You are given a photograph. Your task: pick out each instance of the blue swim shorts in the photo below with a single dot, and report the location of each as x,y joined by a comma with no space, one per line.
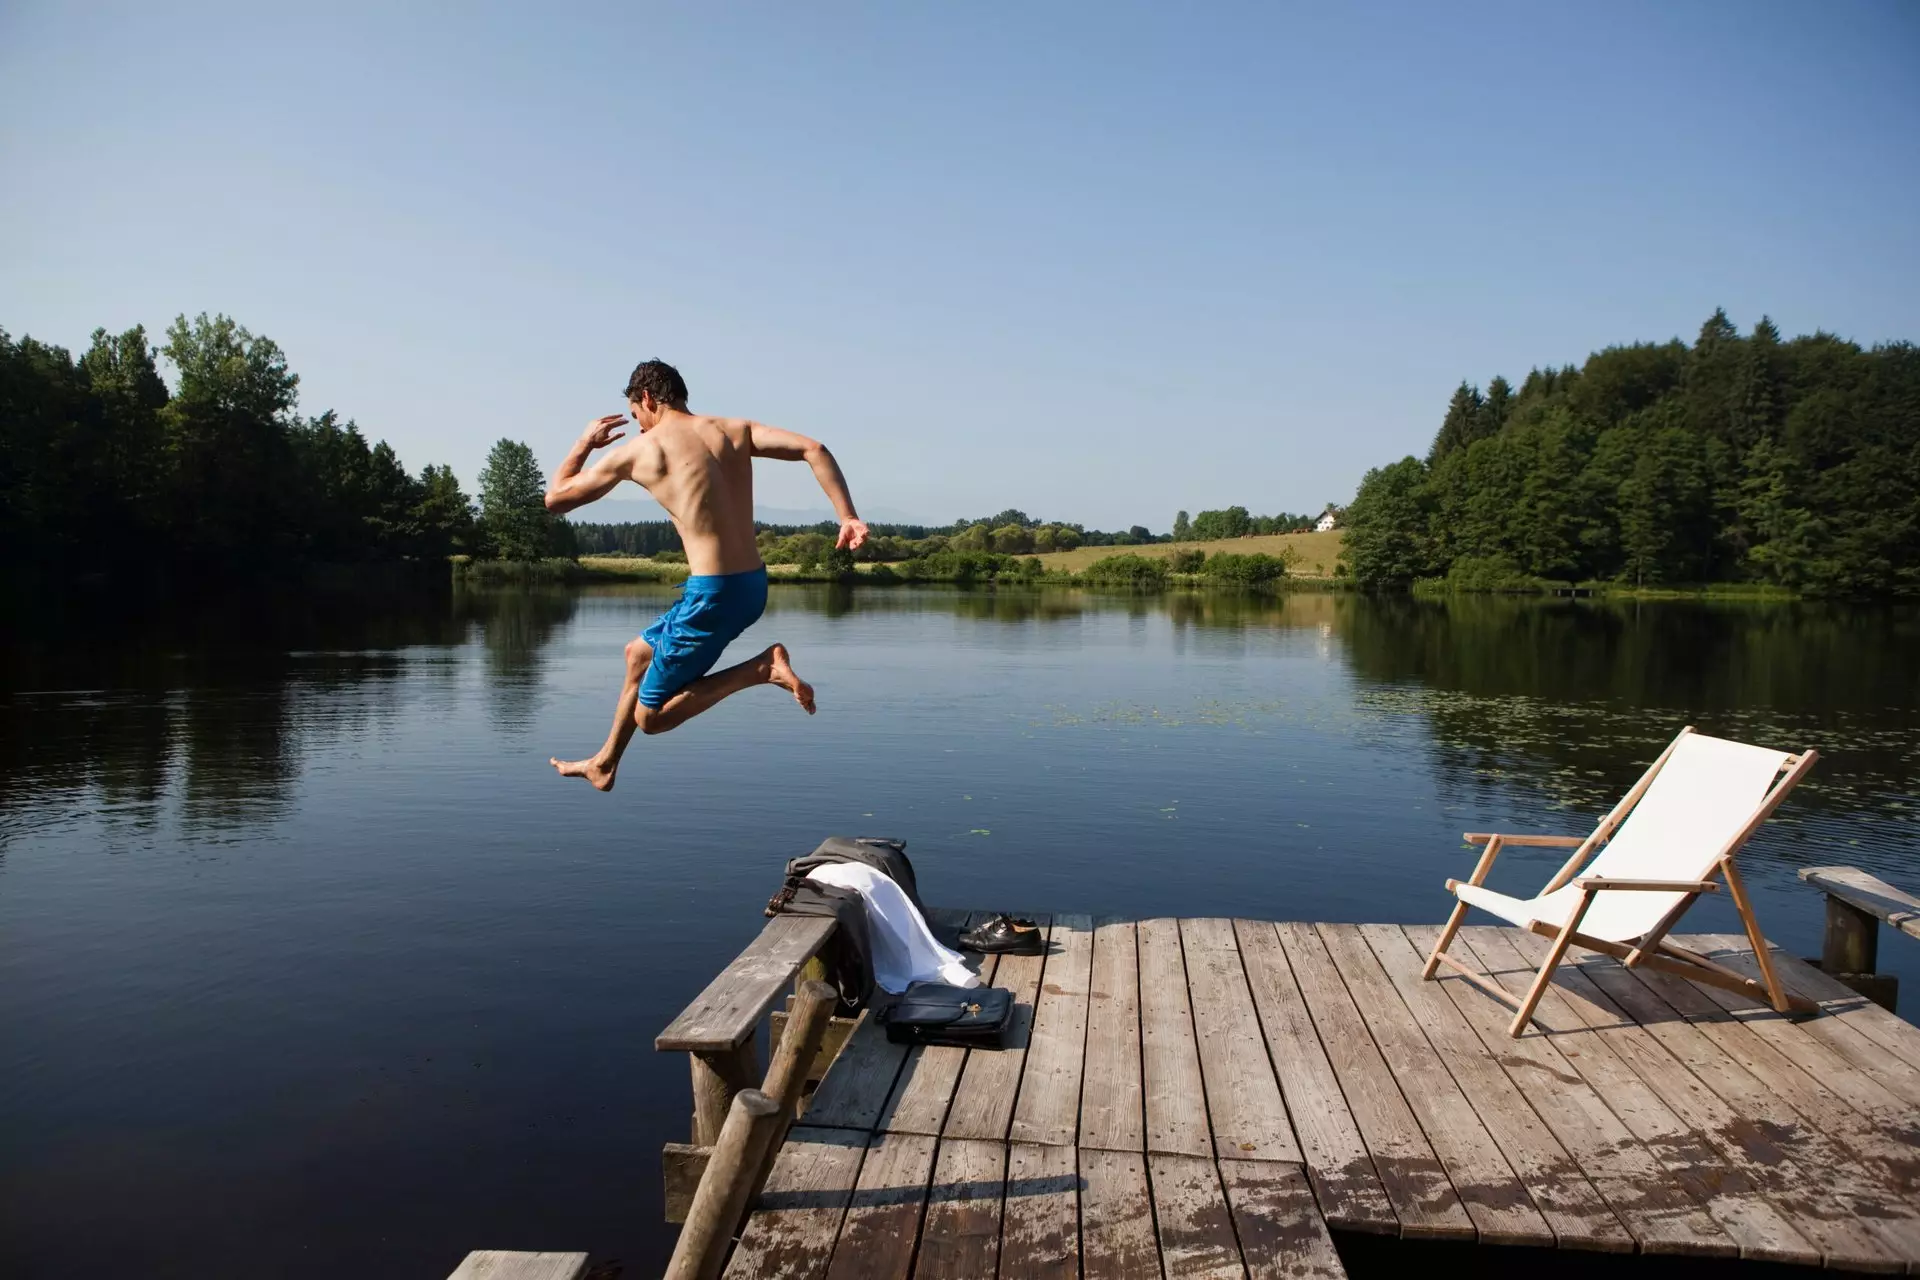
689,638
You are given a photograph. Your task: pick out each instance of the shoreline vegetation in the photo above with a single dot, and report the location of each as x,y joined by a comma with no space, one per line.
1750,463
1745,466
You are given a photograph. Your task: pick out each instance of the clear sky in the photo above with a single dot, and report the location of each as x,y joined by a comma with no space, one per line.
1096,261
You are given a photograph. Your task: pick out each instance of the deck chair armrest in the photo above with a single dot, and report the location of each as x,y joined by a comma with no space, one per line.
1537,842
1598,883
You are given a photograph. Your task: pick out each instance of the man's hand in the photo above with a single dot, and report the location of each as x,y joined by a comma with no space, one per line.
852,534
602,432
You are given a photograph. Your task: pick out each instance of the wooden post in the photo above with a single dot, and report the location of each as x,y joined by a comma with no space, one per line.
1852,942
717,1077
737,1157
813,1008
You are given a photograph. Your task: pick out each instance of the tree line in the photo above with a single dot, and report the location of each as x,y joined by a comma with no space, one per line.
1734,459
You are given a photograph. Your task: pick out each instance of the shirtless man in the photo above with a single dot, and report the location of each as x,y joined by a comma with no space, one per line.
701,470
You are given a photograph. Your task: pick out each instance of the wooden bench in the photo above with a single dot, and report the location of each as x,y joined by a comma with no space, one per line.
717,1032
1857,904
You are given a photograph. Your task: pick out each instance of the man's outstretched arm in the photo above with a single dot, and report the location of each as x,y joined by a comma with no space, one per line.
790,446
573,487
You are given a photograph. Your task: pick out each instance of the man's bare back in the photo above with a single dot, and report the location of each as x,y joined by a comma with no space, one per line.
701,470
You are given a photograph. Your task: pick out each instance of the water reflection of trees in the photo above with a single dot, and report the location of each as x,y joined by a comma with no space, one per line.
203,713
1570,699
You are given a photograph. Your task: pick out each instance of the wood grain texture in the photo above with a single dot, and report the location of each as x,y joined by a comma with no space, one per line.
1578,1214
989,1085
859,1089
1117,1239
1498,1202
960,1239
1040,1227
791,1232
1244,1108
506,1264
1667,1109
1176,1102
1282,1235
1048,1110
1112,1105
1338,1164
1662,1216
1197,1241
882,1225
728,1011
1868,893
1805,1174
1411,1174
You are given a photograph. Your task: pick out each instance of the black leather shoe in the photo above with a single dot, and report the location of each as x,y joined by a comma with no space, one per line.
1006,936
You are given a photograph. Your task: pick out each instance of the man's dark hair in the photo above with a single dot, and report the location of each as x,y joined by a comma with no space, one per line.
660,380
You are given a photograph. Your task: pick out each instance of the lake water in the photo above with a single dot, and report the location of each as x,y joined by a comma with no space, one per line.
309,965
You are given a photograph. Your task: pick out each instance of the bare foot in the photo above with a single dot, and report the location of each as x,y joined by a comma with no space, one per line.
601,776
784,677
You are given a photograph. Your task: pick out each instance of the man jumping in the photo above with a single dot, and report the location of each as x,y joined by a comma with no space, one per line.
701,470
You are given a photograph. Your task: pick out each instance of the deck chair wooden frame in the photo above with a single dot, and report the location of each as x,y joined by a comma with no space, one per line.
1652,950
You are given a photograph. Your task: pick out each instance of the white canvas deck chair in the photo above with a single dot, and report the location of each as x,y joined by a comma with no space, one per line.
1659,849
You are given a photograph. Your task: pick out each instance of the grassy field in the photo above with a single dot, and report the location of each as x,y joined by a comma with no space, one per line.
1317,551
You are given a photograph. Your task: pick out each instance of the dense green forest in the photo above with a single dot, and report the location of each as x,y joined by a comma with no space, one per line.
1011,532
1737,459
106,471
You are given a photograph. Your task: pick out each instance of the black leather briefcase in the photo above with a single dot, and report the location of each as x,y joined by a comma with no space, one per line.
935,1013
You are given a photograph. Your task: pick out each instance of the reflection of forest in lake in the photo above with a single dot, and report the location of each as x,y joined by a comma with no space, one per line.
207,715
1572,698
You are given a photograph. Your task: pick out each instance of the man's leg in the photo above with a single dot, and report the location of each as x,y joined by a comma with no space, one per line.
599,769
770,667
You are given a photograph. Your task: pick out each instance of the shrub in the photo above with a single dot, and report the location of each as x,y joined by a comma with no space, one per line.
1228,568
670,557
1127,571
1186,561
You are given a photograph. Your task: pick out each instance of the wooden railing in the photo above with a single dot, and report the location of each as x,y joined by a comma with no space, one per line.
1857,905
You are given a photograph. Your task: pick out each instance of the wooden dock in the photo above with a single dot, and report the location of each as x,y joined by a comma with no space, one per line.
1207,1097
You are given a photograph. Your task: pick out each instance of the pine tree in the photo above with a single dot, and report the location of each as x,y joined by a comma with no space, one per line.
513,509
1494,410
1456,429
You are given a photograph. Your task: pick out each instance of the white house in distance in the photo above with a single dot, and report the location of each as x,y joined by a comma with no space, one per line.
1329,520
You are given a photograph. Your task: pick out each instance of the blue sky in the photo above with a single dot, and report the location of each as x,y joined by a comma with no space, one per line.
1096,261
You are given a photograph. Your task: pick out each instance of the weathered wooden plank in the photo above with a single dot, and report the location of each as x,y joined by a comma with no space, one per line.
1112,1108
1688,1129
1336,1157
1797,1040
1116,1216
1579,1216
1048,1110
1411,1174
1813,1181
1170,1059
1885,1046
506,1264
1868,893
868,1075
1662,1216
989,1085
726,1013
1498,1202
1282,1236
960,1239
883,1217
1867,1165
1040,1231
1244,1110
923,1093
1196,1227
791,1232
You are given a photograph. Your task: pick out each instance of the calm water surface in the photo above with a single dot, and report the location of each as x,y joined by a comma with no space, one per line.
310,965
